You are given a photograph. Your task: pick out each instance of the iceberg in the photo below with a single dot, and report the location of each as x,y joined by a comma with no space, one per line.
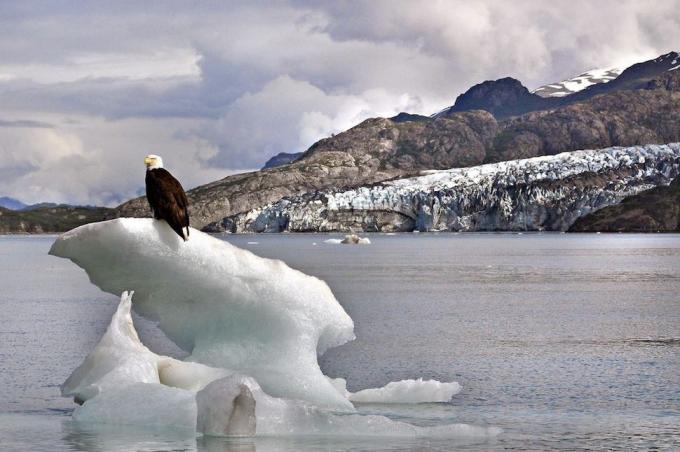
124,383
226,306
253,327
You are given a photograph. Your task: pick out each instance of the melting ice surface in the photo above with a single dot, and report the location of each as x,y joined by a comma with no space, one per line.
254,328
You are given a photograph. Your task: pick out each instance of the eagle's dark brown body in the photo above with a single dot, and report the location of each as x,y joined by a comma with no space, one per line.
168,200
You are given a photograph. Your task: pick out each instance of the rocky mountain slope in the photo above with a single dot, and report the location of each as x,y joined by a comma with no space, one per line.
48,219
381,149
634,77
654,210
507,97
373,151
543,193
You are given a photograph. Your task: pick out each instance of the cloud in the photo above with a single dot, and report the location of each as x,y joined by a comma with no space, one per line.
25,123
220,88
95,161
289,115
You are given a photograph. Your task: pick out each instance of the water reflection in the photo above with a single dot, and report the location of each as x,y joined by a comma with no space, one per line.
105,438
109,438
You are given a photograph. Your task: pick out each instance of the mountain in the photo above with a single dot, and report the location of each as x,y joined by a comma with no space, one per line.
502,98
11,203
381,149
282,158
654,210
15,204
507,97
541,193
42,205
378,149
619,118
635,77
41,220
578,83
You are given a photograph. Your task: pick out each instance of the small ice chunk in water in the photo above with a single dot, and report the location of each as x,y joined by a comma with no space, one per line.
408,391
353,239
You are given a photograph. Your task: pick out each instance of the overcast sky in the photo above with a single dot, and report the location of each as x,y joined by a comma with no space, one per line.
88,88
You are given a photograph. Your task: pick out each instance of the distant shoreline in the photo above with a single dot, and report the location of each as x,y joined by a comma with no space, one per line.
254,234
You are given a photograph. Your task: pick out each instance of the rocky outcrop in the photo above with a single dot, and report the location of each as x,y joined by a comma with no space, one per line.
502,98
405,117
654,210
545,193
43,220
282,158
380,149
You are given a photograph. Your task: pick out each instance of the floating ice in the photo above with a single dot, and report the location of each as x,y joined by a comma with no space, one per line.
192,396
408,391
123,382
118,360
235,312
350,239
404,391
145,404
353,239
228,307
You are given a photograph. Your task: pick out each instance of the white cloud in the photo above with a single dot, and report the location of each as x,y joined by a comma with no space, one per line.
181,64
96,161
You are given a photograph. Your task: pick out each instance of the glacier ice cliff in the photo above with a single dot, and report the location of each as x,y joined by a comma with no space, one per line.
541,193
254,328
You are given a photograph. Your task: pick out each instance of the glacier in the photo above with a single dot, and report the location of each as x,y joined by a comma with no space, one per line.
253,327
535,194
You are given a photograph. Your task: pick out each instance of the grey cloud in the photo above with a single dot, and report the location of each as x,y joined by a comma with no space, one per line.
25,123
274,77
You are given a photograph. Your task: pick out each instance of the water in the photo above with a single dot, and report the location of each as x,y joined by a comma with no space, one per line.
563,341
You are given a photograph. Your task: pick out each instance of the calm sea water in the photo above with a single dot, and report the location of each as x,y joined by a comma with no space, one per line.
563,341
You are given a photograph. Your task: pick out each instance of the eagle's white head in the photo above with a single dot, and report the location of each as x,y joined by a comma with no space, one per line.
153,161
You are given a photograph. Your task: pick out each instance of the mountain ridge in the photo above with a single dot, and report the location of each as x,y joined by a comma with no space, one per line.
380,149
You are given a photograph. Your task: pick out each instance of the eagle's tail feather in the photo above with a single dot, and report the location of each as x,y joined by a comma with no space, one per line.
178,229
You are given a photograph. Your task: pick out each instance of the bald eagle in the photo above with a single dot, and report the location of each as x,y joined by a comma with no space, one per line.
166,196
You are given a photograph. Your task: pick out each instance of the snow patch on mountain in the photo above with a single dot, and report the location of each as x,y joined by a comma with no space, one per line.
578,83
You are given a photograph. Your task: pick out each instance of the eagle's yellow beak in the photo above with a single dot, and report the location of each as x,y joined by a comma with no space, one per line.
148,161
